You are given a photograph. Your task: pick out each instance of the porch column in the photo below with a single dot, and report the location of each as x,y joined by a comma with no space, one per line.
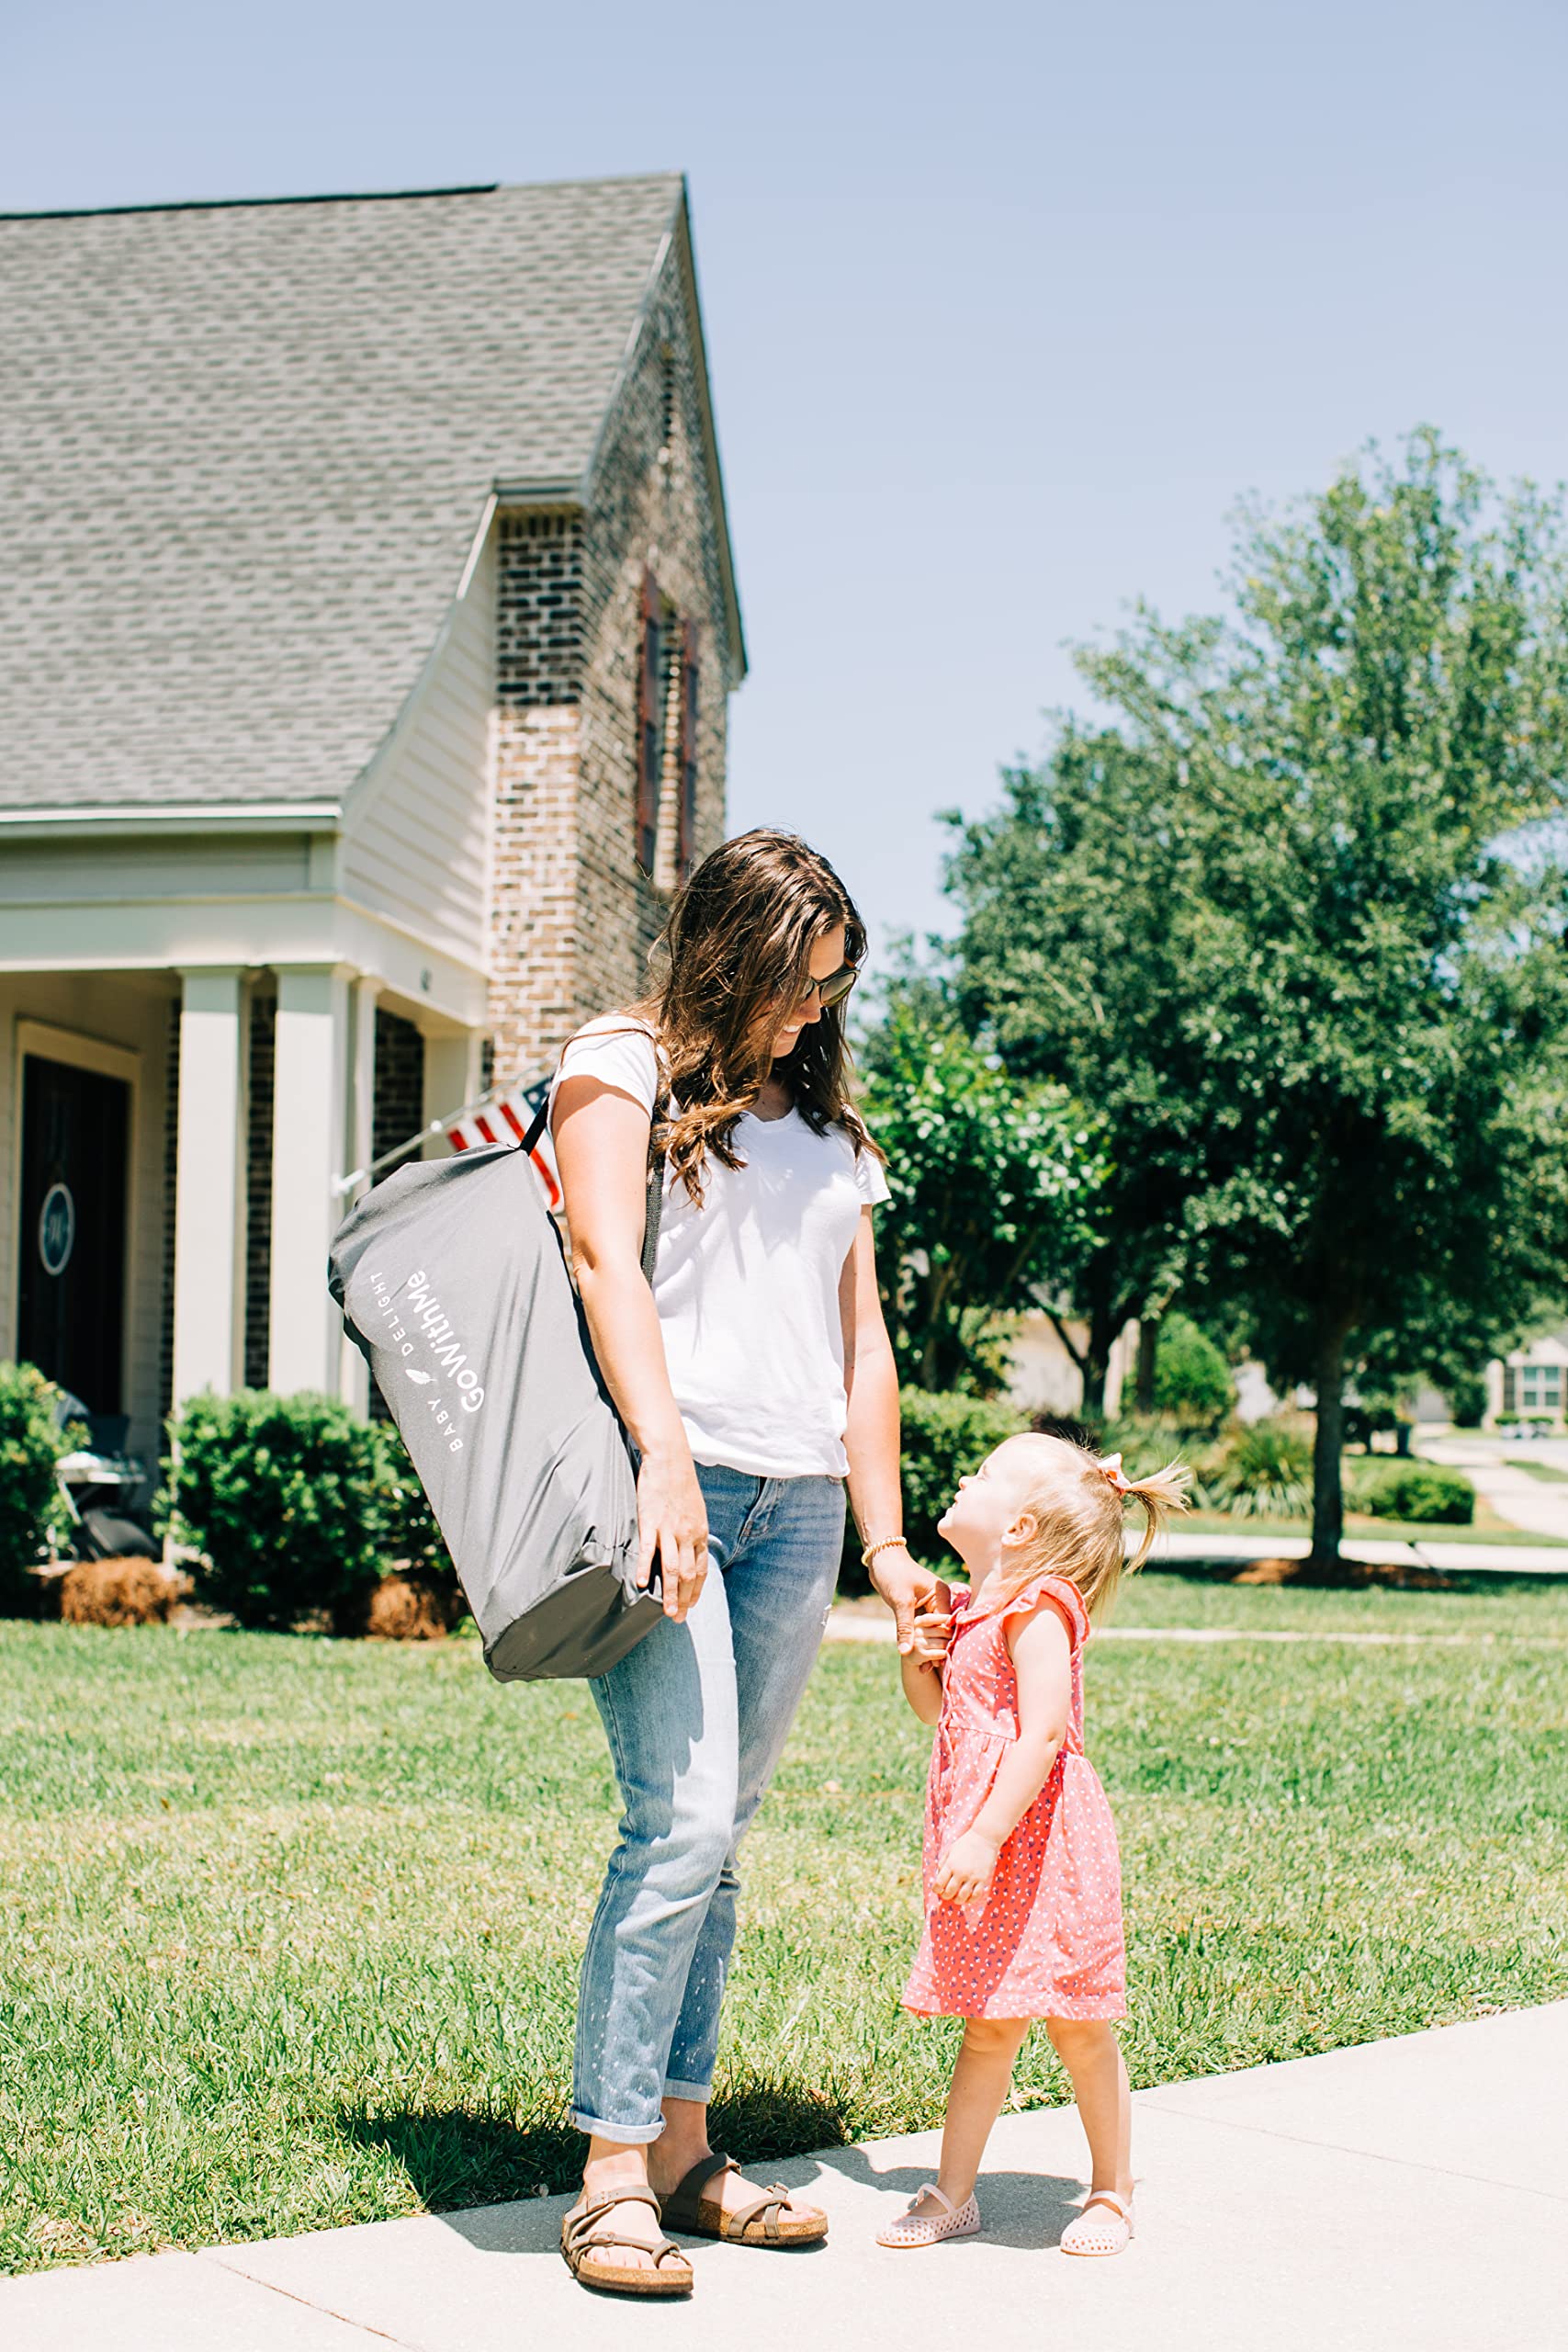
451,1080
354,1373
209,1225
309,1152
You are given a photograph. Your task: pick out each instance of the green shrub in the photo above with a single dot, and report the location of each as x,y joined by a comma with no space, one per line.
1414,1491
411,1533
32,1511
1467,1400
944,1438
1263,1472
285,1497
1194,1388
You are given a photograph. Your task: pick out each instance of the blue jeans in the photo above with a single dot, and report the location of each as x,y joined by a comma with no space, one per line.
697,1716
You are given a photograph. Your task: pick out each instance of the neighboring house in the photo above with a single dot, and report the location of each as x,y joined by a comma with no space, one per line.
1042,1377
370,625
1531,1385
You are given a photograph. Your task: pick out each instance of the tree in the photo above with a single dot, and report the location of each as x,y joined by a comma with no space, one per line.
1303,892
1191,1382
1068,956
993,1183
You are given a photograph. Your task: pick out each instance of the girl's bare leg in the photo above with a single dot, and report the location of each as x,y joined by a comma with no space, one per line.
980,2081
1089,2051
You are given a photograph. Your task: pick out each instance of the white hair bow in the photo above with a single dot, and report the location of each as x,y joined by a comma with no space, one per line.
1110,1464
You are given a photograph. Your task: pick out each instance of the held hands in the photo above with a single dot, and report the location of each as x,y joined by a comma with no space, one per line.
965,1871
673,1521
933,1629
906,1587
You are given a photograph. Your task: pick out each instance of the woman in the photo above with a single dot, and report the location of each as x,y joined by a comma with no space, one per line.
754,1377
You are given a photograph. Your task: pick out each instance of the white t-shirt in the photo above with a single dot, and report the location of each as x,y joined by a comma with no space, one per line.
747,1286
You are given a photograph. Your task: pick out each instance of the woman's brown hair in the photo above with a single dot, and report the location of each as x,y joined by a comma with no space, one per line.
736,954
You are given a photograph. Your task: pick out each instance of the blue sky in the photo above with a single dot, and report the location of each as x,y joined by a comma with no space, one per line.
1006,304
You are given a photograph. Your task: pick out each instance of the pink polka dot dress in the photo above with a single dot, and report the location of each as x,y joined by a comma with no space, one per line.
1046,1941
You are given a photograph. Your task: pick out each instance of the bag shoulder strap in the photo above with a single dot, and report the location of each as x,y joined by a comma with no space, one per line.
654,1209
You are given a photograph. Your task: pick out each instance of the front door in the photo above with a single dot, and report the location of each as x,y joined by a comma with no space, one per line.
71,1319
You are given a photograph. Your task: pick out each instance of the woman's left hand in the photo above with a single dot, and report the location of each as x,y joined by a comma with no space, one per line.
965,1871
933,1627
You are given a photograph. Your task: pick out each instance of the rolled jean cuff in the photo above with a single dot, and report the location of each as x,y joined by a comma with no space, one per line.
629,2135
701,2092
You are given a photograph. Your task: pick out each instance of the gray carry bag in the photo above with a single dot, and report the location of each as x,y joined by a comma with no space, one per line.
454,1286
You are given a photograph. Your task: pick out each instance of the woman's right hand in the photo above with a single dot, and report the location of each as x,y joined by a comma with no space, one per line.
671,1520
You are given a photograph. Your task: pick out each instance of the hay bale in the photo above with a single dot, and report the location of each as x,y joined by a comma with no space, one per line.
118,1592
408,1609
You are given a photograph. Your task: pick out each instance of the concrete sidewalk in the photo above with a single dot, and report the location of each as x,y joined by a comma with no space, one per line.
1485,1559
1497,1473
1410,2195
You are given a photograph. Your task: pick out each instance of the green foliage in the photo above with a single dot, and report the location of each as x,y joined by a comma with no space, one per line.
284,1500
945,1438
1294,924
1192,1383
31,1442
993,1188
409,1532
1413,1491
1264,1471
1466,1394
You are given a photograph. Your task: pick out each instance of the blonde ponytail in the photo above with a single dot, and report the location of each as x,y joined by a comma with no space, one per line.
1079,1505
1162,1493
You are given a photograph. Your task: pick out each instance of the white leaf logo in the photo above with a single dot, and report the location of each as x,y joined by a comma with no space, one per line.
423,1378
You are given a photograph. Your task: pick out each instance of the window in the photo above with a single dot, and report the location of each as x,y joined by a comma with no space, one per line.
1532,1389
651,701
686,746
667,702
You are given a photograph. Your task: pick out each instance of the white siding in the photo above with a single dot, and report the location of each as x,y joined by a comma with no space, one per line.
130,1011
77,870
416,835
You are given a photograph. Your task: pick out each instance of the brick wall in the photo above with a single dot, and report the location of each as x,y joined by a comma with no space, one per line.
573,917
258,1190
398,1104
171,1169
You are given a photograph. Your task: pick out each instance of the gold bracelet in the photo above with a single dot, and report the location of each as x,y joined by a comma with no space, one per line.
889,1543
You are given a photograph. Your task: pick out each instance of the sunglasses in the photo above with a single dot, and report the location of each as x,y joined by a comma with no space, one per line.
833,990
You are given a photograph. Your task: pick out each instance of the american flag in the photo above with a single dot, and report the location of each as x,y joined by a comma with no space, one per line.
506,1118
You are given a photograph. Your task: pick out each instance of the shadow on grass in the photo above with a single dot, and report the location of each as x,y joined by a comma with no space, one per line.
489,2177
1353,1576
457,2157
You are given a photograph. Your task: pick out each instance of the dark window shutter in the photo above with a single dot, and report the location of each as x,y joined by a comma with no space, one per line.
686,826
649,724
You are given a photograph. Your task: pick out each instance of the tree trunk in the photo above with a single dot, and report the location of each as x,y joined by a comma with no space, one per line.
1102,1330
1148,1339
1327,1491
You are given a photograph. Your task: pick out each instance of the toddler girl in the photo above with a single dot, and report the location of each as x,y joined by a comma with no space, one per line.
1022,1883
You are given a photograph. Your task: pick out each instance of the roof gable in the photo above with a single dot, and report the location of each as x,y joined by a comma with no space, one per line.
245,449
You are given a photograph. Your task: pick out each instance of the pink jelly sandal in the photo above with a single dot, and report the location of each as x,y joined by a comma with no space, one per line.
1097,2231
914,2228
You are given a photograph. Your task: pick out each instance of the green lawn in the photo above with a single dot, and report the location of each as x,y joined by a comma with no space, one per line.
1488,1527
1547,1472
292,1925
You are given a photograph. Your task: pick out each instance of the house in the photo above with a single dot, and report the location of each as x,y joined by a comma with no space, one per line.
1531,1385
370,625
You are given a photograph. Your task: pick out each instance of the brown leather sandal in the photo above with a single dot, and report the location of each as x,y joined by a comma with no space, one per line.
580,2240
765,2222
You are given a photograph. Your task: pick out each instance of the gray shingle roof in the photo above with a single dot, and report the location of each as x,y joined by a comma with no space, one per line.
244,451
